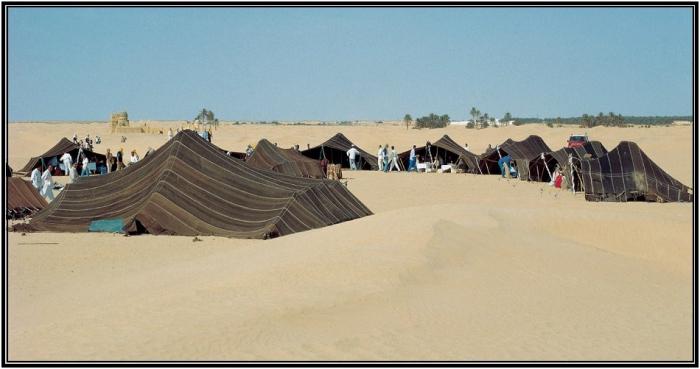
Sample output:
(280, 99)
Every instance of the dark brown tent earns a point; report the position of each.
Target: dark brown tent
(189, 187)
(446, 150)
(22, 198)
(335, 151)
(590, 150)
(626, 173)
(286, 161)
(488, 161)
(527, 155)
(52, 156)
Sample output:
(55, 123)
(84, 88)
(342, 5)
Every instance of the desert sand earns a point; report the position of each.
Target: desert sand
(450, 267)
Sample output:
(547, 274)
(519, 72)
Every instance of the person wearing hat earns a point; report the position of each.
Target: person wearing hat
(352, 155)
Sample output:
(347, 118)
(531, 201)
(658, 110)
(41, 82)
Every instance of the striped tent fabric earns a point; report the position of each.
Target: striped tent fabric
(63, 146)
(189, 187)
(449, 151)
(286, 161)
(22, 198)
(527, 157)
(335, 151)
(590, 150)
(488, 160)
(626, 173)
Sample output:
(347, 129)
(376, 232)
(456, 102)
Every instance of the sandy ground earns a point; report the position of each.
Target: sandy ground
(450, 267)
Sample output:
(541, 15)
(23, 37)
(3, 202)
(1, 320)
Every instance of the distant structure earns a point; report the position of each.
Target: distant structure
(120, 119)
(119, 123)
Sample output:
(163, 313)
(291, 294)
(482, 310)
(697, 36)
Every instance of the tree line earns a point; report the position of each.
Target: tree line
(611, 120)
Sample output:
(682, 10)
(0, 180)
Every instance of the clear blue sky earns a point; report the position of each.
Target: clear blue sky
(346, 63)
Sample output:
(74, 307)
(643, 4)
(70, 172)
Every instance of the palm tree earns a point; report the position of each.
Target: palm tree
(407, 119)
(474, 113)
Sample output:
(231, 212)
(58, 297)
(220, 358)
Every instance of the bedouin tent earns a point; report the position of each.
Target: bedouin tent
(488, 161)
(335, 151)
(52, 156)
(626, 173)
(527, 155)
(287, 161)
(22, 198)
(447, 151)
(189, 187)
(571, 168)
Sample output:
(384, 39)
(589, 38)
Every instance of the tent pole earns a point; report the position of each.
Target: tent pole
(546, 167)
(571, 173)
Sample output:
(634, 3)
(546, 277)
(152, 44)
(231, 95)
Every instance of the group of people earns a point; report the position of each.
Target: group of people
(116, 161)
(387, 159)
(87, 143)
(43, 182)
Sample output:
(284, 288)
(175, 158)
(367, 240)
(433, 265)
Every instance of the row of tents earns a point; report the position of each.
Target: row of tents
(625, 173)
(192, 187)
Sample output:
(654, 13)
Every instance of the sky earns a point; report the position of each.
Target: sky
(347, 63)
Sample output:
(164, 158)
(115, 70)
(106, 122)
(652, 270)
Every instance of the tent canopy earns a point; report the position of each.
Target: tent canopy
(625, 174)
(527, 157)
(22, 197)
(189, 187)
(335, 151)
(447, 151)
(590, 150)
(63, 146)
(287, 161)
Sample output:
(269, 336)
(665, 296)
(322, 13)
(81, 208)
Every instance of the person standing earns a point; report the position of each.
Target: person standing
(47, 185)
(170, 133)
(412, 159)
(85, 171)
(73, 173)
(37, 182)
(67, 163)
(120, 157)
(380, 158)
(134, 157)
(504, 165)
(109, 161)
(352, 156)
(393, 163)
(466, 147)
(385, 156)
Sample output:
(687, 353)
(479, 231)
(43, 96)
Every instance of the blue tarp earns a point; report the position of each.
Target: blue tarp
(107, 225)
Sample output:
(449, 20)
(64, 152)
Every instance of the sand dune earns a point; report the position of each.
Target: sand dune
(450, 267)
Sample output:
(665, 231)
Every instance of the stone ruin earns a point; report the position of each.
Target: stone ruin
(120, 119)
